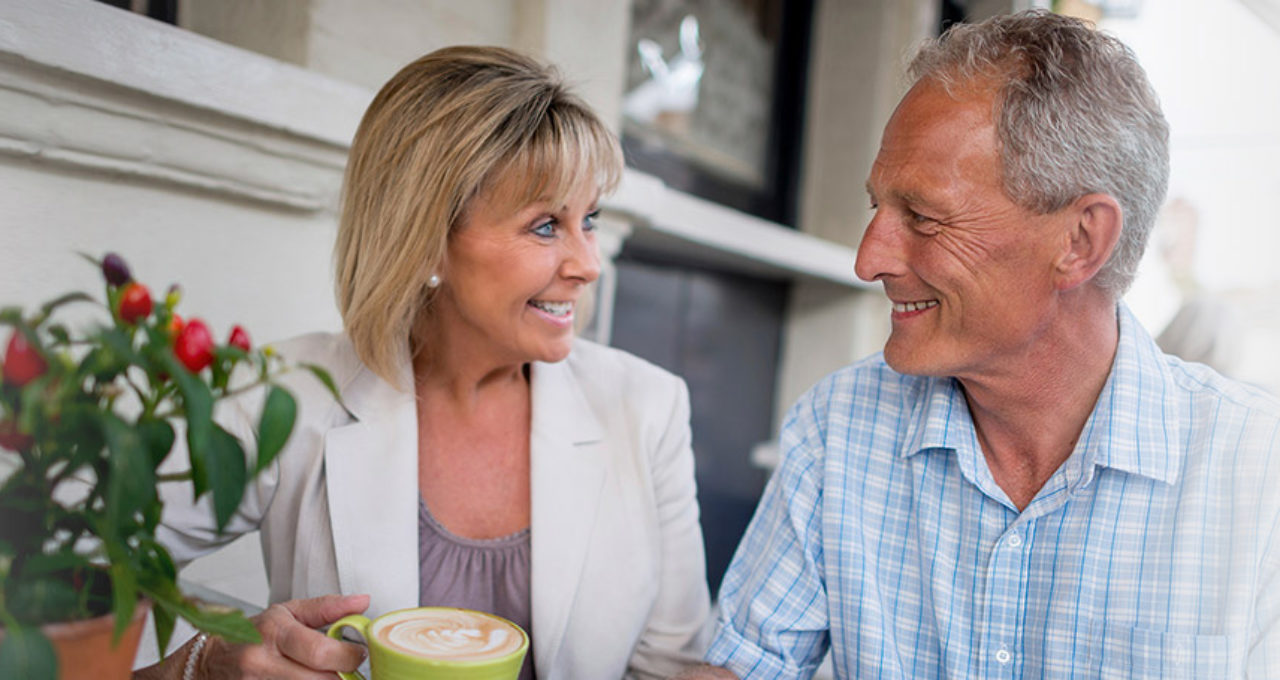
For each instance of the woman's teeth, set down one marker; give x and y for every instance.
(913, 306)
(554, 308)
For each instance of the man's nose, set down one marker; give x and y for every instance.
(880, 253)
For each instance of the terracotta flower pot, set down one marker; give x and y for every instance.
(85, 651)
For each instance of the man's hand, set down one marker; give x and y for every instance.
(705, 673)
(291, 646)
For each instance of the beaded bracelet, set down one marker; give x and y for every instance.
(193, 657)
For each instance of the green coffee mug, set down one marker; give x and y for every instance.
(438, 643)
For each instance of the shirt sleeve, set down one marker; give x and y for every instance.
(1263, 659)
(773, 602)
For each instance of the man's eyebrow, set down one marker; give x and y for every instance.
(909, 198)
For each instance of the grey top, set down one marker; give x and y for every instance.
(488, 575)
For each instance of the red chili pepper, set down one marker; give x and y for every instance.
(175, 325)
(12, 439)
(194, 345)
(135, 303)
(22, 363)
(239, 338)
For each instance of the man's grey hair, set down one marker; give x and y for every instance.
(1075, 114)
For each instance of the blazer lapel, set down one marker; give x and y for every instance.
(371, 477)
(567, 473)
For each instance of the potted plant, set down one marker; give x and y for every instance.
(86, 419)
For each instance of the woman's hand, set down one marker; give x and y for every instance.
(292, 647)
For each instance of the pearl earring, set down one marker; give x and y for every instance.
(433, 281)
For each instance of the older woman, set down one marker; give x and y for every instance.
(481, 456)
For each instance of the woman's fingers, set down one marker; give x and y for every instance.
(316, 650)
(291, 647)
(318, 612)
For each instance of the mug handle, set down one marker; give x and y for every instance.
(361, 625)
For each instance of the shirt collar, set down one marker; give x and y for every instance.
(1133, 427)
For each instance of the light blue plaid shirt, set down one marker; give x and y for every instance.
(1150, 553)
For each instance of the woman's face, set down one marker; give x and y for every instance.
(514, 274)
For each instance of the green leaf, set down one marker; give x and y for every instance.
(226, 622)
(227, 352)
(197, 408)
(164, 622)
(26, 653)
(227, 474)
(101, 364)
(11, 316)
(59, 333)
(275, 425)
(42, 599)
(124, 597)
(323, 376)
(59, 562)
(120, 343)
(55, 303)
(157, 564)
(158, 436)
(131, 485)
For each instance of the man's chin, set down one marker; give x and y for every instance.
(912, 361)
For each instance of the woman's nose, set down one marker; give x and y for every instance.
(582, 261)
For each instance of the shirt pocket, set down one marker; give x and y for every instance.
(1143, 653)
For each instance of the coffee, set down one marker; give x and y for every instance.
(438, 643)
(448, 634)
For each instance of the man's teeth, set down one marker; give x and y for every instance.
(913, 306)
(554, 308)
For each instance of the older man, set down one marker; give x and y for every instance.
(1022, 485)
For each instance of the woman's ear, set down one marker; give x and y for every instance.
(1096, 221)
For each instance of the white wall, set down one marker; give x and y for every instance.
(1213, 63)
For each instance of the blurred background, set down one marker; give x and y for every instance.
(204, 140)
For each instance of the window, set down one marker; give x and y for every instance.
(715, 99)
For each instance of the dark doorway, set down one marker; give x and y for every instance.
(721, 332)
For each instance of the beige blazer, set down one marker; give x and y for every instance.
(618, 574)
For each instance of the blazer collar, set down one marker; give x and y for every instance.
(372, 491)
(371, 480)
(568, 470)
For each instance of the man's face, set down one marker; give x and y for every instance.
(970, 273)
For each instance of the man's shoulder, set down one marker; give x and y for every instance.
(1204, 386)
(866, 385)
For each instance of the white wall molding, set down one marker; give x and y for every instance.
(692, 228)
(62, 118)
(106, 44)
(87, 85)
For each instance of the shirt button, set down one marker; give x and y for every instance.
(1015, 541)
(1003, 656)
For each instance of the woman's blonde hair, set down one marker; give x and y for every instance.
(444, 129)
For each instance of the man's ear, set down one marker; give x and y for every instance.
(1094, 229)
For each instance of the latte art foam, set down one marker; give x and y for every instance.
(448, 635)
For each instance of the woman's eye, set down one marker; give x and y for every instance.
(545, 229)
(589, 222)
